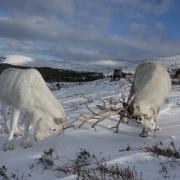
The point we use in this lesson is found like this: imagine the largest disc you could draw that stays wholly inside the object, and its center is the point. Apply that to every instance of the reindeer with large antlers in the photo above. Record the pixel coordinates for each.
(150, 88)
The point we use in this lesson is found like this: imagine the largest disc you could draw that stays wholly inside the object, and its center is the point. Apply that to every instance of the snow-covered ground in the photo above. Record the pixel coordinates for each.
(171, 63)
(127, 149)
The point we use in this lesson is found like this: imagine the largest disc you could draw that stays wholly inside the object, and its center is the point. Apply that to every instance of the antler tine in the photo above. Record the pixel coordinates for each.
(104, 117)
(118, 124)
(94, 115)
(123, 114)
(100, 119)
(103, 107)
(86, 119)
(97, 114)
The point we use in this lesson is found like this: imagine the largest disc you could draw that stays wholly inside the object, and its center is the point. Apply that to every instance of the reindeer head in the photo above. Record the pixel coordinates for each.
(48, 126)
(142, 113)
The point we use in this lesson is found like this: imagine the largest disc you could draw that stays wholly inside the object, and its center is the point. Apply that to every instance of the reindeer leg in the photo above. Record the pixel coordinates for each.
(17, 131)
(25, 140)
(157, 128)
(147, 127)
(9, 143)
(145, 132)
(4, 110)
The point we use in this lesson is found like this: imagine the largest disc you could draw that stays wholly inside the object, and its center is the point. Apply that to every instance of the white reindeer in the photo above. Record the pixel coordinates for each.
(26, 91)
(150, 88)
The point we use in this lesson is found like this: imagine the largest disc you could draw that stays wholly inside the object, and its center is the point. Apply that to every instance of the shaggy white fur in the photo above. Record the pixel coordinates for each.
(4, 111)
(26, 91)
(150, 88)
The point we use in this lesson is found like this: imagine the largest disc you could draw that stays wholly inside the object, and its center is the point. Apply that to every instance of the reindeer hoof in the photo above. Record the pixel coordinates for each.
(157, 128)
(17, 133)
(145, 133)
(8, 146)
(26, 144)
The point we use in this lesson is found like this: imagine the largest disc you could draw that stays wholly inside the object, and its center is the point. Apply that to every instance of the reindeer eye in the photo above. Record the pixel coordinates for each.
(54, 130)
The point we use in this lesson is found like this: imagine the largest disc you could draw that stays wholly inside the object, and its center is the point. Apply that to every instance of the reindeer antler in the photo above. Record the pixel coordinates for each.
(103, 114)
(98, 116)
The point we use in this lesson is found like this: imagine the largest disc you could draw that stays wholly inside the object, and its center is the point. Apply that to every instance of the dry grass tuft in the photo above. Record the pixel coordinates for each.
(169, 152)
(87, 166)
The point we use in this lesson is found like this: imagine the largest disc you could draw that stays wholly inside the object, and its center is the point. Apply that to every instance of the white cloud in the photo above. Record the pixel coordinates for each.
(138, 29)
(160, 26)
(79, 30)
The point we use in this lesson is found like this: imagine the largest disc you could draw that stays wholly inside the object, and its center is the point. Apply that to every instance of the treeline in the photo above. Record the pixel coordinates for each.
(60, 75)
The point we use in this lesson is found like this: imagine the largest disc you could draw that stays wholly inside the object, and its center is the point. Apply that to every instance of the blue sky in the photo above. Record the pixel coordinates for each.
(89, 30)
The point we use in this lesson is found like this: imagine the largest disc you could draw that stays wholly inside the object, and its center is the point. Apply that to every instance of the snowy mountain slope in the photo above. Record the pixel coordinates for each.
(106, 65)
(170, 62)
(98, 65)
(102, 142)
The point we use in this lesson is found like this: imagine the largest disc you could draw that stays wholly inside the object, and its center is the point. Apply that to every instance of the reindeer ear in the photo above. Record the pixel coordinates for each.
(58, 121)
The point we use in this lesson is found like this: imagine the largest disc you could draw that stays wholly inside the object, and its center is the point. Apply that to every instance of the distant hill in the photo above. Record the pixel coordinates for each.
(171, 63)
(101, 65)
(59, 75)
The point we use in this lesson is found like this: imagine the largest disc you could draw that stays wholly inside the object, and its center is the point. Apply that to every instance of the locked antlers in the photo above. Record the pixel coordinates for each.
(104, 113)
